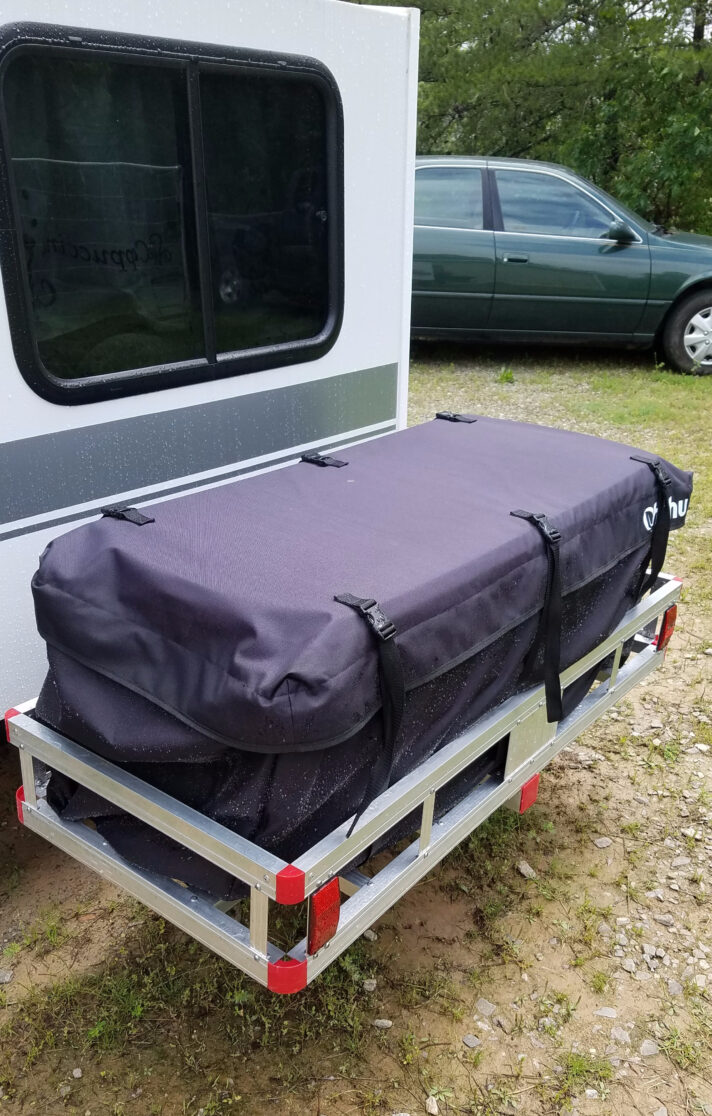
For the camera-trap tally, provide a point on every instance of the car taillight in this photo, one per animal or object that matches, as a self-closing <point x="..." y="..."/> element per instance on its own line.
<point x="324" y="910"/>
<point x="666" y="628"/>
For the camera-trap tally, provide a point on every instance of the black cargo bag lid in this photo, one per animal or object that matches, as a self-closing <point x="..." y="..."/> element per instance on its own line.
<point x="220" y="606"/>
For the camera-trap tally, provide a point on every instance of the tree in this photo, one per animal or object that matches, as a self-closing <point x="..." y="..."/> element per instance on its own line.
<point x="622" y="92"/>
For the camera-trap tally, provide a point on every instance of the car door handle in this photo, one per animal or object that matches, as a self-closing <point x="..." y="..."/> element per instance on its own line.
<point x="515" y="259"/>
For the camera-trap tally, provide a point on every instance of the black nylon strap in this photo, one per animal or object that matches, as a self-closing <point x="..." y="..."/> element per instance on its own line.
<point x="131" y="515"/>
<point x="314" y="458"/>
<point x="661" y="528"/>
<point x="550" y="624"/>
<point x="452" y="416"/>
<point x="391" y="681"/>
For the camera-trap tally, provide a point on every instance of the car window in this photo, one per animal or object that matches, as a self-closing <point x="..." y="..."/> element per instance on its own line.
<point x="449" y="196"/>
<point x="544" y="203"/>
<point x="148" y="242"/>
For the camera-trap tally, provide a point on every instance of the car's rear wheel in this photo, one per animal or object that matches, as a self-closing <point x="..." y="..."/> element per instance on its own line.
<point x="687" y="336"/>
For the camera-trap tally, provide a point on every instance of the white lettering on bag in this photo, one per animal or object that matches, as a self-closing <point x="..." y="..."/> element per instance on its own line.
<point x="678" y="510"/>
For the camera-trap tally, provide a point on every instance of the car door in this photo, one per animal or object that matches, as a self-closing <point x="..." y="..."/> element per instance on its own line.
<point x="453" y="254"/>
<point x="556" y="270"/>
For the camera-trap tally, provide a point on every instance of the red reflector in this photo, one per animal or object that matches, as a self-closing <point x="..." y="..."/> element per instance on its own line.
<point x="19" y="800"/>
<point x="666" y="628"/>
<point x="324" y="910"/>
<point x="530" y="791"/>
<point x="286" y="976"/>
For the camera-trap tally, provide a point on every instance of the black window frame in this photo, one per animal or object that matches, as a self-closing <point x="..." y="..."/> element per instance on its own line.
<point x="194" y="59"/>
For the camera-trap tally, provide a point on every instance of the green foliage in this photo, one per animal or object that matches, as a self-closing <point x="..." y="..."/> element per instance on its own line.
<point x="620" y="91"/>
<point x="682" y="1051"/>
<point x="580" y="1071"/>
<point x="599" y="982"/>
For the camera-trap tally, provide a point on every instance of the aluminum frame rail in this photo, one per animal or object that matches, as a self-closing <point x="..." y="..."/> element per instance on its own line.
<point x="530" y="741"/>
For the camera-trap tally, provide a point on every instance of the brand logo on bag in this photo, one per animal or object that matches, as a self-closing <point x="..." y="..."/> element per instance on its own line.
<point x="678" y="510"/>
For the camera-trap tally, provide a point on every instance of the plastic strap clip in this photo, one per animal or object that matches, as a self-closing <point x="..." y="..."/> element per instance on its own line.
<point x="315" y="458"/>
<point x="453" y="416"/>
<point x="372" y="613"/>
<point x="131" y="515"/>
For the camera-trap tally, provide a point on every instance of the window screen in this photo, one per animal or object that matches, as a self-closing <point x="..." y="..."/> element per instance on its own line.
<point x="448" y="196"/>
<point x="545" y="203"/>
<point x="170" y="213"/>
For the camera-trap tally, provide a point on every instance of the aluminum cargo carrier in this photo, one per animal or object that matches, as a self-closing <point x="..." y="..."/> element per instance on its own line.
<point x="517" y="736"/>
<point x="227" y="709"/>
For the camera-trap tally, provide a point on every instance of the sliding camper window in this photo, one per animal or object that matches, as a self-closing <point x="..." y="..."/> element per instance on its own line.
<point x="175" y="220"/>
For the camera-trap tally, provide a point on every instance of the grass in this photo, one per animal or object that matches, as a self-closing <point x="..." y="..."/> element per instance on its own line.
<point x="165" y="985"/>
<point x="409" y="1048"/>
<point x="432" y="988"/>
<point x="47" y="932"/>
<point x="599" y="982"/>
<point x="682" y="1051"/>
<point x="558" y="1010"/>
<point x="580" y="1071"/>
<point x="484" y="868"/>
<point x="632" y="829"/>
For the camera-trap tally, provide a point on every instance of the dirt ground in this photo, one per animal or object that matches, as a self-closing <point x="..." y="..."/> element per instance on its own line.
<point x="587" y="987"/>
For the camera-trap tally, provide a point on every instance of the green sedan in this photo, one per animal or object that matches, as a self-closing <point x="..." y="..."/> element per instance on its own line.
<point x="513" y="250"/>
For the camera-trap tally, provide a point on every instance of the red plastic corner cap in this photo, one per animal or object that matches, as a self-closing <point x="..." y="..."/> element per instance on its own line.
<point x="286" y="976"/>
<point x="19" y="800"/>
<point x="10" y="713"/>
<point x="530" y="790"/>
<point x="290" y="883"/>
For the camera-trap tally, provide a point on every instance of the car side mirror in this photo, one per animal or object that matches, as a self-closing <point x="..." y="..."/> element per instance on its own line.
<point x="621" y="232"/>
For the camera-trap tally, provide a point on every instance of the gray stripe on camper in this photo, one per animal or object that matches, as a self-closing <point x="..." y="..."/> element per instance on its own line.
<point x="53" y="471"/>
<point x="175" y="489"/>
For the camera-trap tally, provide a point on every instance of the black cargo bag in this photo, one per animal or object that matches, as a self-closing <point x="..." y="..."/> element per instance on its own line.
<point x="275" y="651"/>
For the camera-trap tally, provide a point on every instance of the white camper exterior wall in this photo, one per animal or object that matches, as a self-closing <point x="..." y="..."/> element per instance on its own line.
<point x="359" y="386"/>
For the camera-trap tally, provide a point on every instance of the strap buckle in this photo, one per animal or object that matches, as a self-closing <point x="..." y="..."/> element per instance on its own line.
<point x="373" y="613"/>
<point x="547" y="528"/>
<point x="661" y="475"/>
<point x="657" y="467"/>
<point x="551" y="533"/>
